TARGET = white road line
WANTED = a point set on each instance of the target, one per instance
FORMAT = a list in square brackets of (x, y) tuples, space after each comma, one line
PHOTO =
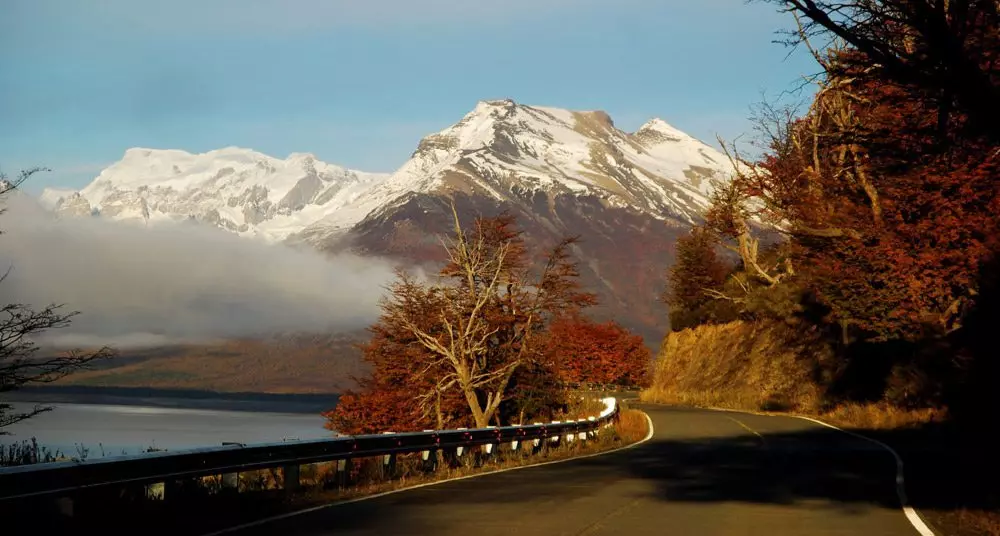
[(763, 441), (649, 435), (911, 514)]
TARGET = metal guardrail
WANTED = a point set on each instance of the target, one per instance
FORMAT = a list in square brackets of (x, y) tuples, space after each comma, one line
[(69, 477)]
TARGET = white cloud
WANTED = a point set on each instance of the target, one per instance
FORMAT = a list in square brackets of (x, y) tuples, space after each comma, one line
[(139, 285)]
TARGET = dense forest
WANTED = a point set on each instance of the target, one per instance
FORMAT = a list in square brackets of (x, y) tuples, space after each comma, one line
[(870, 217)]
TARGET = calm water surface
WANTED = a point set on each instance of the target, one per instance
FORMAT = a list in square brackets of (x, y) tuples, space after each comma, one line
[(132, 429)]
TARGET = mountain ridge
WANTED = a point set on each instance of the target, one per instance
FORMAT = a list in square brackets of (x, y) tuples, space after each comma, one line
[(560, 172), (497, 147)]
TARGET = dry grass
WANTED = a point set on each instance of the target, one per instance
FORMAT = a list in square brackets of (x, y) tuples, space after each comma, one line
[(762, 367), (973, 522), (757, 366), (632, 426), (880, 416)]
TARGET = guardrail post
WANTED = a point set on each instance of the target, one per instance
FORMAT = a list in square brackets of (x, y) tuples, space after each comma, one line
[(389, 465), (342, 472), (490, 449), (172, 489), (230, 481), (389, 461), (430, 457), (459, 450), (156, 491), (555, 438), (592, 433), (290, 477), (537, 444)]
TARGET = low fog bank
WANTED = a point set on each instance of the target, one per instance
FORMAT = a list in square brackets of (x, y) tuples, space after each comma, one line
[(173, 283)]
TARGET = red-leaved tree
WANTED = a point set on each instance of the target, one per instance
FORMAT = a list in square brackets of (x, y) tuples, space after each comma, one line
[(885, 206), (463, 349), (588, 353)]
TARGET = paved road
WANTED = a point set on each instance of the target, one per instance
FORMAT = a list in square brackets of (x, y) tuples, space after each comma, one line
[(703, 473)]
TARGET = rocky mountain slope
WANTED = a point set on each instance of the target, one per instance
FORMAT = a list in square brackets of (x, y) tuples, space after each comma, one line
[(503, 150), (561, 172)]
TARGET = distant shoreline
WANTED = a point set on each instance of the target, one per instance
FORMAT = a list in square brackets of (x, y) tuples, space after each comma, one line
[(174, 398)]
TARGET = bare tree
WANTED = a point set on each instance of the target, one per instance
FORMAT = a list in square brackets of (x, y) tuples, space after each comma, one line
[(20, 324), (489, 313)]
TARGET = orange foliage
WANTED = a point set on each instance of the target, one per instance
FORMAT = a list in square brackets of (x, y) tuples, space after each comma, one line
[(887, 186), (585, 352), (465, 351), (888, 206)]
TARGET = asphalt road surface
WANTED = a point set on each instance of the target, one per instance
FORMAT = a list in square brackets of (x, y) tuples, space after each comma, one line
[(704, 473)]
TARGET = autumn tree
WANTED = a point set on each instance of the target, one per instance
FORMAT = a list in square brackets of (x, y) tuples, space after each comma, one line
[(393, 394), (697, 273), (585, 352), (885, 208), (20, 325), (453, 347)]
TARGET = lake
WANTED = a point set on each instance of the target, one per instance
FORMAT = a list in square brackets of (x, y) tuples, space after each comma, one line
[(134, 428)]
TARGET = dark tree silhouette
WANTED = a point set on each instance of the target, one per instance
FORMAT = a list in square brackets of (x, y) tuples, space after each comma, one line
[(946, 48)]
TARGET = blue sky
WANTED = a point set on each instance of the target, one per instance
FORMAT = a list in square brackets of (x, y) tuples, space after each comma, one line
[(359, 82)]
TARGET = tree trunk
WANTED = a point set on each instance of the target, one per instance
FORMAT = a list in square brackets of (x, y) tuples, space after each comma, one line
[(482, 418)]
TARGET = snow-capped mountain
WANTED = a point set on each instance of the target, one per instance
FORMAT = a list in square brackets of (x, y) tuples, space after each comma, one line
[(502, 146), (503, 149), (499, 149), (560, 172), (240, 190), (51, 197)]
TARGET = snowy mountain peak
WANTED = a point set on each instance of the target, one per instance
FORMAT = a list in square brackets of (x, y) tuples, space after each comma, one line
[(503, 150), (497, 105), (238, 189), (502, 147), (657, 131), (50, 198)]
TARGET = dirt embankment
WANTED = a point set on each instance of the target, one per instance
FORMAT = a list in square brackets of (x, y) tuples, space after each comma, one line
[(741, 365)]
